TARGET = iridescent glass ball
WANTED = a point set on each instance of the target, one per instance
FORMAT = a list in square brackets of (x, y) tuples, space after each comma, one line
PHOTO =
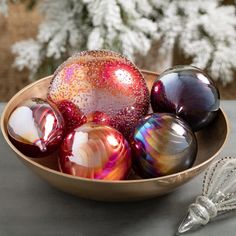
[(95, 151), (36, 127), (162, 144), (103, 81), (187, 92)]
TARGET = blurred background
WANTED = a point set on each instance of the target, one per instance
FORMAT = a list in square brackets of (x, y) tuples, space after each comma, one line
[(37, 36)]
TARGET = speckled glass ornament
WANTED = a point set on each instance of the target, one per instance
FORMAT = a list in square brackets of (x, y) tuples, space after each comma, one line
[(72, 115), (163, 144), (36, 127), (103, 81), (187, 92), (95, 151)]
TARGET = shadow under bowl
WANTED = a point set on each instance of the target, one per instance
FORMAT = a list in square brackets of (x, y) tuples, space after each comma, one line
[(210, 142)]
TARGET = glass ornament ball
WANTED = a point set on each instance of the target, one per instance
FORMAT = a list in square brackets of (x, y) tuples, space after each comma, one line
[(162, 144), (36, 127), (187, 92), (99, 118), (95, 151), (72, 115), (102, 81)]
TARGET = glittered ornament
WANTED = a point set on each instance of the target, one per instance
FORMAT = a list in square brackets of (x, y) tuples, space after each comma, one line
[(72, 115), (187, 92), (99, 118), (95, 151), (162, 144), (218, 195), (103, 81), (36, 127)]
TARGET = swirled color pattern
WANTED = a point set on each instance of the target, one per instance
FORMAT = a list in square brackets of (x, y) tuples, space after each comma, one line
[(36, 127), (95, 151), (162, 145)]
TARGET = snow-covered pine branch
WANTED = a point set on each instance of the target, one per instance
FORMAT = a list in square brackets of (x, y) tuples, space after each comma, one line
[(73, 25), (119, 25), (29, 55), (204, 31), (3, 7)]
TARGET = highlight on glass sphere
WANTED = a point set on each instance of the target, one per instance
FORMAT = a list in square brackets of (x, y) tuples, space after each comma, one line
[(95, 151), (102, 81), (162, 144), (99, 118), (187, 92), (36, 127)]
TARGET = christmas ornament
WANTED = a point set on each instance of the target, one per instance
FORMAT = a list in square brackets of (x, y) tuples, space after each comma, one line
[(36, 127), (99, 118), (72, 115), (95, 151), (187, 92), (103, 81), (218, 195), (162, 144)]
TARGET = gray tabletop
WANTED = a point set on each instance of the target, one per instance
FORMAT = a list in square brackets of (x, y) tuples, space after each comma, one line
[(29, 206)]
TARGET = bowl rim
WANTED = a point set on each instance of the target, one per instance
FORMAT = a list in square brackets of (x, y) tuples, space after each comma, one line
[(44, 168)]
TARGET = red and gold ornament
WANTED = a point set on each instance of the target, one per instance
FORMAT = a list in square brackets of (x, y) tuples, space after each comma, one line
[(95, 151), (103, 81)]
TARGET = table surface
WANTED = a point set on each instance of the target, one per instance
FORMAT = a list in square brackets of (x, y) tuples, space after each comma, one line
[(29, 206)]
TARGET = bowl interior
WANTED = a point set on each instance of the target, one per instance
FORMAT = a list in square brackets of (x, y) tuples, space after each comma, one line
[(210, 140)]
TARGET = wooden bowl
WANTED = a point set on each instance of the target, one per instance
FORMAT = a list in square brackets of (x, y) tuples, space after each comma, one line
[(210, 143)]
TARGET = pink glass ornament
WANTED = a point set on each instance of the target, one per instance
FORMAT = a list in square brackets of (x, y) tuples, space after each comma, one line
[(36, 127), (96, 152)]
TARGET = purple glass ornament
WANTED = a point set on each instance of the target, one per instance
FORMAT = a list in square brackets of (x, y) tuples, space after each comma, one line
[(162, 144), (187, 92)]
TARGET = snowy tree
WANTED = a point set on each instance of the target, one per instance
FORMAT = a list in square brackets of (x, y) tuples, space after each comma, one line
[(204, 31), (3, 7), (71, 26)]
